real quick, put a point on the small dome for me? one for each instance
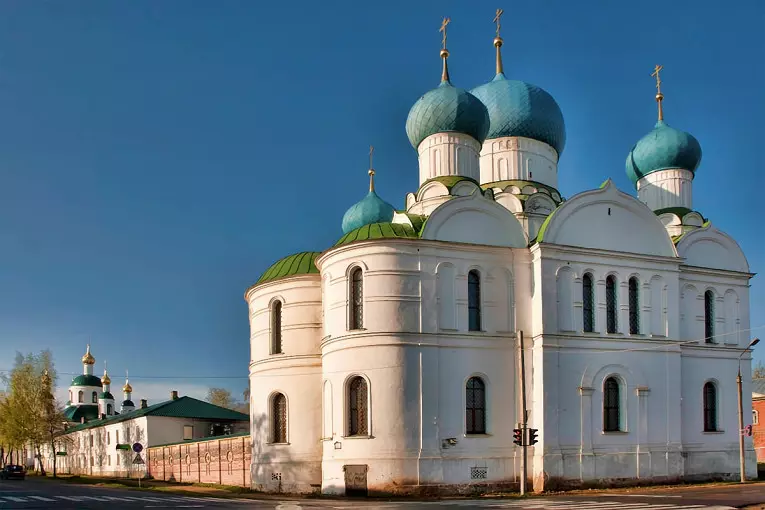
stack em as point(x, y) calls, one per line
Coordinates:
point(105, 395)
point(297, 264)
point(663, 148)
point(88, 358)
point(371, 209)
point(86, 380)
point(105, 379)
point(517, 108)
point(127, 388)
point(447, 109)
point(128, 403)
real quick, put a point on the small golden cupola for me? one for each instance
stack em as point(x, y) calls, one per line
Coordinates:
point(88, 358)
point(127, 388)
point(106, 380)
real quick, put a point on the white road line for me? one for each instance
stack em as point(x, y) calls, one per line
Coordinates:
point(17, 500)
point(41, 498)
point(71, 498)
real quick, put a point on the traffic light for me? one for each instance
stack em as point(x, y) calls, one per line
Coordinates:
point(533, 437)
point(518, 437)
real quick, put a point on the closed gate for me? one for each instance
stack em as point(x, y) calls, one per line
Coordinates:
point(355, 479)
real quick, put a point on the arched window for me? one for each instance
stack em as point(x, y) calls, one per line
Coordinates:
point(475, 406)
point(356, 300)
point(358, 422)
point(611, 405)
point(611, 304)
point(709, 316)
point(588, 318)
point(710, 407)
point(634, 304)
point(279, 418)
point(474, 301)
point(95, 397)
point(276, 327)
point(80, 397)
point(755, 417)
point(70, 395)
point(109, 409)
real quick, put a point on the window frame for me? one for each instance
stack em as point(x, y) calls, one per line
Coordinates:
point(612, 423)
point(356, 299)
point(755, 417)
point(80, 397)
point(710, 407)
point(474, 300)
point(633, 302)
point(476, 429)
point(275, 326)
point(588, 301)
point(94, 397)
point(189, 428)
point(612, 307)
point(279, 421)
point(351, 429)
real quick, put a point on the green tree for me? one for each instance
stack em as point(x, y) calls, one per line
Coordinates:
point(220, 397)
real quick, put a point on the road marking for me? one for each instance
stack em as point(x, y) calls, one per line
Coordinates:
point(71, 498)
point(41, 498)
point(17, 500)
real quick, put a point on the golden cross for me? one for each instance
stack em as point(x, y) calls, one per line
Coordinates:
point(496, 19)
point(655, 74)
point(445, 22)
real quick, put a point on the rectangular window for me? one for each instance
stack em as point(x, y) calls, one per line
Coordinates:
point(109, 460)
point(117, 436)
point(755, 417)
point(611, 304)
point(587, 308)
point(108, 438)
point(188, 432)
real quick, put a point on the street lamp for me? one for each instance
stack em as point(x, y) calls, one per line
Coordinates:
point(742, 464)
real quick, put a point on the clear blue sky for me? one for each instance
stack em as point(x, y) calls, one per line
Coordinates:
point(156, 157)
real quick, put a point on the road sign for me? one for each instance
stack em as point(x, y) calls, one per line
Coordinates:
point(137, 447)
point(138, 459)
point(123, 447)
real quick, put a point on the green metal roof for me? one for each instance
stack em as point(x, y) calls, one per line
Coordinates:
point(86, 380)
point(200, 440)
point(299, 263)
point(378, 231)
point(76, 413)
point(418, 220)
point(106, 395)
point(183, 407)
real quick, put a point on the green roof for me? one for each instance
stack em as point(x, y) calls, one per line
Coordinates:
point(106, 395)
point(450, 180)
point(183, 407)
point(299, 263)
point(418, 220)
point(520, 184)
point(86, 380)
point(378, 231)
point(76, 413)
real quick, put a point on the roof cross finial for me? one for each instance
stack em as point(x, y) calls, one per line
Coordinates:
point(659, 95)
point(444, 51)
point(498, 41)
point(371, 169)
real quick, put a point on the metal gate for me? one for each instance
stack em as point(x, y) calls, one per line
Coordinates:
point(355, 479)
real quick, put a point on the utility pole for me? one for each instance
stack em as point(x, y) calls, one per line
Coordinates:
point(741, 459)
point(524, 424)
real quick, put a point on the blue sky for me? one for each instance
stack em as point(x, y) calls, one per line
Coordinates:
point(156, 157)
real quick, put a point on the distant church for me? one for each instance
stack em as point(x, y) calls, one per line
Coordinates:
point(90, 398)
point(390, 361)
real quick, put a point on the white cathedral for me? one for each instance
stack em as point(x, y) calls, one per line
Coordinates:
point(390, 362)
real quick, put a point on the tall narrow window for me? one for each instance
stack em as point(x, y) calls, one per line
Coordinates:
point(588, 319)
point(709, 317)
point(474, 301)
point(611, 304)
point(109, 409)
point(611, 405)
point(357, 300)
point(279, 418)
point(634, 304)
point(710, 407)
point(95, 397)
point(80, 397)
point(276, 327)
point(357, 407)
point(475, 406)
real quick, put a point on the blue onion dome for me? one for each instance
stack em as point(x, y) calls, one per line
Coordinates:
point(371, 209)
point(663, 148)
point(447, 109)
point(518, 108)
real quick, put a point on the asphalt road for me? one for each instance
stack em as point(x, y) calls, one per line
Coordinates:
point(45, 494)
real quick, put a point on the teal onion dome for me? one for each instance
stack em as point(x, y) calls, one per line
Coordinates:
point(663, 148)
point(517, 108)
point(446, 109)
point(371, 209)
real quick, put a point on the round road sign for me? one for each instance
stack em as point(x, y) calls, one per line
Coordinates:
point(137, 447)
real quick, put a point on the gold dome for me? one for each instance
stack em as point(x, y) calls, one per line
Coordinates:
point(88, 359)
point(105, 379)
point(127, 388)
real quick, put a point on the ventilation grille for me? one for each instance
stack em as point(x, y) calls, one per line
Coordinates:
point(276, 477)
point(479, 473)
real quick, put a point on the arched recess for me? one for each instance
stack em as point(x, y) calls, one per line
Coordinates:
point(732, 319)
point(607, 219)
point(658, 303)
point(565, 298)
point(446, 280)
point(327, 425)
point(690, 307)
point(713, 248)
point(500, 317)
point(432, 189)
point(509, 201)
point(475, 220)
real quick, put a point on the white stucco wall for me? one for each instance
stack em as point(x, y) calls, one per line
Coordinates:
point(667, 188)
point(444, 154)
point(518, 158)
